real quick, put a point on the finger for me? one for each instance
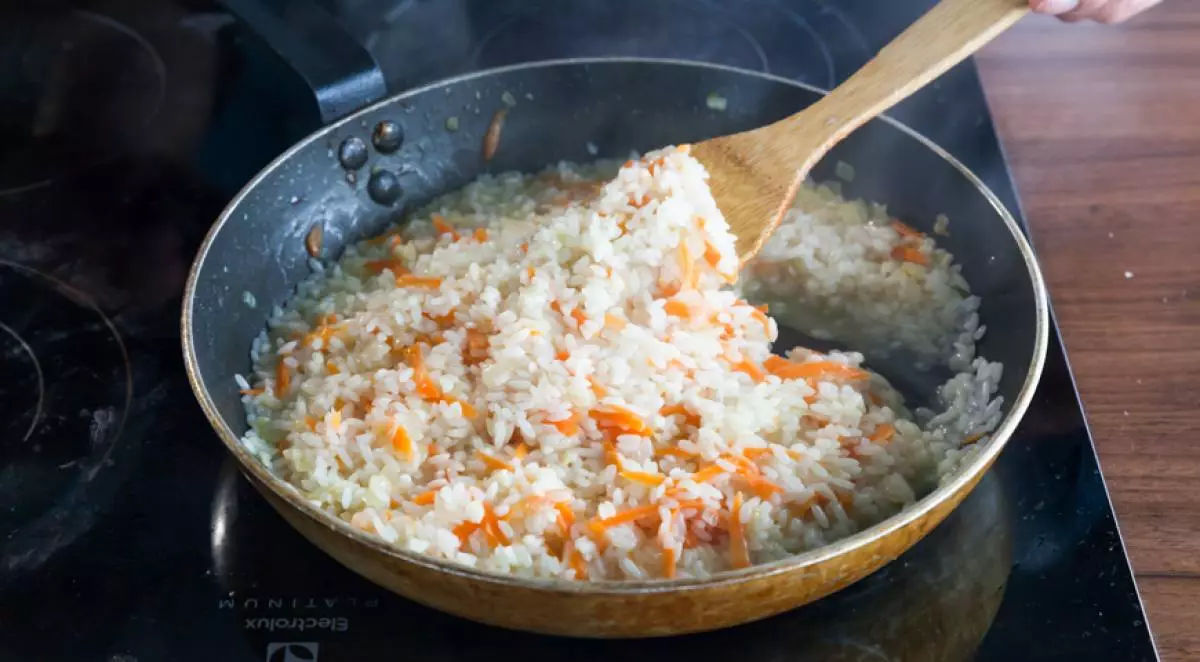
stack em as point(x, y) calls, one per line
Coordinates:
point(1117, 11)
point(1053, 7)
point(1085, 10)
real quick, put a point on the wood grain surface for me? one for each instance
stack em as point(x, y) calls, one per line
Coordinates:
point(1101, 126)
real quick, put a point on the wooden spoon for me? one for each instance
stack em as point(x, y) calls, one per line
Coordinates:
point(754, 175)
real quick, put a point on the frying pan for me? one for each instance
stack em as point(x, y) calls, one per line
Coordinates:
point(256, 253)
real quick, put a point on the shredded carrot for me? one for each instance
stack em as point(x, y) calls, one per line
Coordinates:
point(614, 322)
point(708, 473)
point(530, 272)
point(521, 451)
point(785, 369)
point(687, 266)
point(283, 377)
point(425, 498)
point(475, 350)
point(711, 255)
point(907, 231)
point(611, 456)
point(760, 314)
point(562, 355)
point(668, 290)
point(689, 418)
point(493, 463)
point(311, 423)
point(575, 560)
point(402, 443)
point(566, 518)
point(442, 321)
point(639, 203)
point(675, 451)
point(334, 418)
point(579, 316)
point(377, 266)
point(755, 453)
point(442, 227)
point(910, 254)
point(253, 391)
point(468, 410)
point(568, 426)
point(600, 525)
point(643, 477)
point(598, 389)
point(669, 561)
point(750, 369)
point(762, 487)
point(883, 433)
point(525, 247)
point(481, 235)
point(619, 418)
point(739, 554)
point(409, 280)
point(677, 308)
point(331, 368)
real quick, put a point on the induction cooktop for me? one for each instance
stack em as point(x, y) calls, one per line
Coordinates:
point(127, 534)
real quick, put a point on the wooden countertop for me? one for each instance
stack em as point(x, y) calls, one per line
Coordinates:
point(1101, 125)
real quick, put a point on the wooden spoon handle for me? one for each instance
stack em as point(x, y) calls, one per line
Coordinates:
point(945, 36)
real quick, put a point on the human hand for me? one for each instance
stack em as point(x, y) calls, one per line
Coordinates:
point(1103, 11)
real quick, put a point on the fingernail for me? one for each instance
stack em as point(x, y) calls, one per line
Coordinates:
point(1054, 7)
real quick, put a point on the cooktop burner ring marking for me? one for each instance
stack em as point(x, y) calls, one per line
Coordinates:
point(78, 297)
point(41, 379)
point(159, 68)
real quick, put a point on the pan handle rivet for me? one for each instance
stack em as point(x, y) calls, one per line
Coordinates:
point(352, 153)
point(387, 136)
point(384, 187)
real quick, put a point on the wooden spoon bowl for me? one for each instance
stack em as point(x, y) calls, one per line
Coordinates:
point(754, 175)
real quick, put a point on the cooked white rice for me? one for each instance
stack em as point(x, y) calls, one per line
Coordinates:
point(558, 381)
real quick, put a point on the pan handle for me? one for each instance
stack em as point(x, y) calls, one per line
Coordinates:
point(343, 76)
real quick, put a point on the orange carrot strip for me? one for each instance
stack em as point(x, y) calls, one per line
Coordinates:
point(600, 525)
point(468, 410)
point(253, 391)
point(906, 231)
point(883, 433)
point(475, 350)
point(910, 254)
point(481, 235)
point(566, 518)
point(762, 487)
point(283, 377)
point(442, 227)
point(677, 308)
point(708, 473)
point(675, 451)
point(687, 266)
point(402, 443)
point(493, 463)
point(579, 316)
point(785, 369)
point(575, 560)
point(377, 266)
point(756, 453)
point(562, 355)
point(311, 423)
point(568, 426)
point(669, 562)
point(711, 255)
point(425, 498)
point(409, 280)
point(739, 554)
point(749, 368)
point(619, 418)
point(598, 389)
point(643, 477)
point(521, 451)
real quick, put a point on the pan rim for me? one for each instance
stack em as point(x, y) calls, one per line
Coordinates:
point(962, 479)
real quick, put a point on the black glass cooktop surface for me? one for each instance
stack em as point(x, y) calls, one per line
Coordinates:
point(127, 534)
